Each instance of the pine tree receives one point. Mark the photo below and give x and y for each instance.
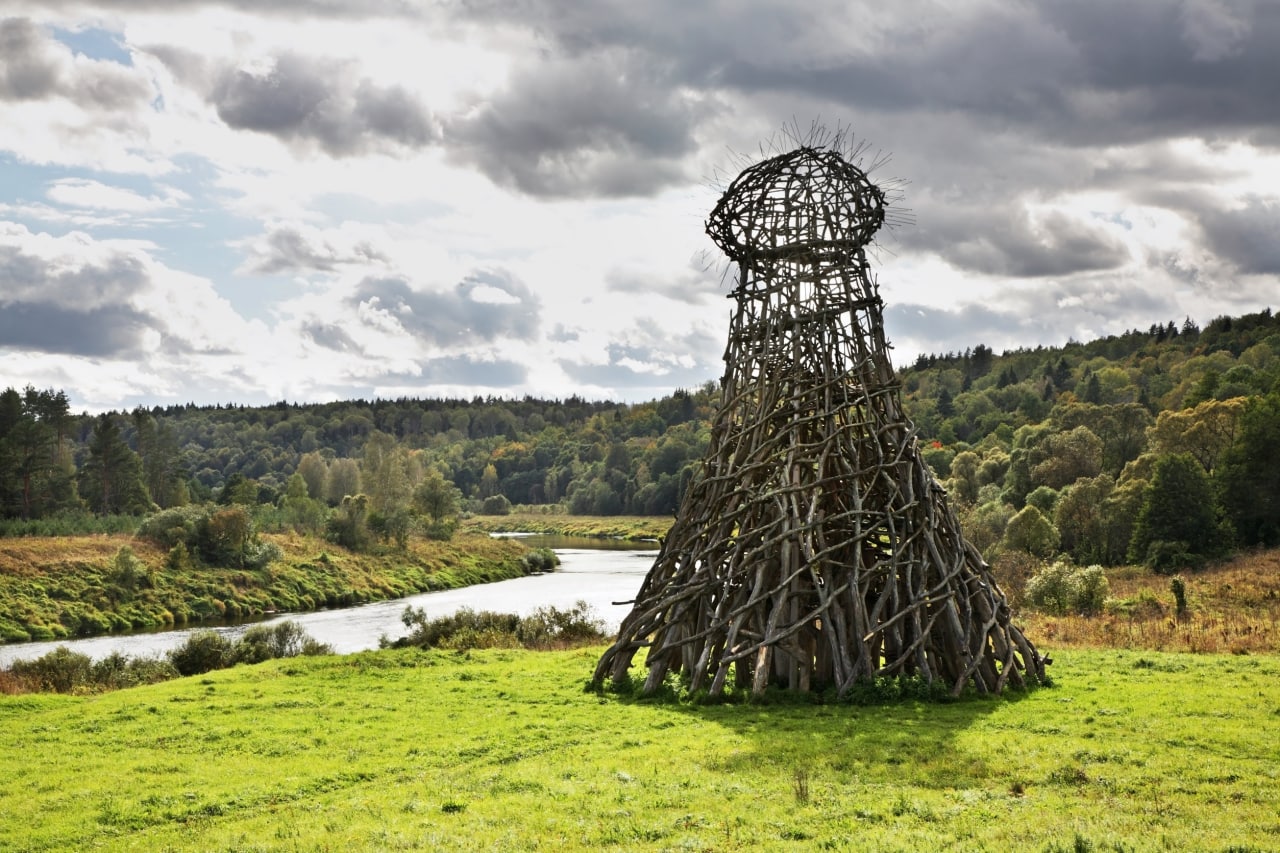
(1177, 524)
(111, 477)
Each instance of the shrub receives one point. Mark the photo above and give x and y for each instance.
(267, 642)
(545, 628)
(60, 671)
(550, 627)
(203, 651)
(178, 525)
(1062, 588)
(538, 561)
(1178, 587)
(117, 671)
(440, 531)
(496, 505)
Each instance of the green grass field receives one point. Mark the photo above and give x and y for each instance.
(505, 750)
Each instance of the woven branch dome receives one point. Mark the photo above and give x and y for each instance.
(807, 202)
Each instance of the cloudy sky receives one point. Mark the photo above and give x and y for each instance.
(204, 201)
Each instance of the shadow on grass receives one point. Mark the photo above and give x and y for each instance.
(897, 731)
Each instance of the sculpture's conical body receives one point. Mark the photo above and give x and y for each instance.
(815, 548)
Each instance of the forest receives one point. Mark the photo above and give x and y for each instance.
(1157, 446)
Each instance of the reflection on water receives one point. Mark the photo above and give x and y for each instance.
(589, 572)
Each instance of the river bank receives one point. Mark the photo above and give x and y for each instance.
(602, 578)
(54, 588)
(632, 528)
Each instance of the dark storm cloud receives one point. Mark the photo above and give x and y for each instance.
(612, 123)
(81, 311)
(28, 71)
(467, 314)
(330, 336)
(467, 370)
(1006, 242)
(1081, 72)
(313, 99)
(30, 278)
(1027, 317)
(111, 331)
(309, 100)
(288, 248)
(34, 67)
(1248, 237)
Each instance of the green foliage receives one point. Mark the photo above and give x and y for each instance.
(219, 536)
(1177, 525)
(437, 499)
(496, 505)
(267, 642)
(539, 561)
(205, 651)
(349, 524)
(111, 476)
(58, 671)
(1061, 588)
(65, 671)
(1248, 479)
(545, 628)
(176, 526)
(1178, 587)
(202, 651)
(1031, 532)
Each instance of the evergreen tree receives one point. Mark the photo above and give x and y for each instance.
(1177, 524)
(946, 407)
(111, 477)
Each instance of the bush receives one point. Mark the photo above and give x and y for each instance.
(59, 671)
(495, 505)
(550, 627)
(1062, 588)
(178, 525)
(117, 671)
(545, 628)
(267, 642)
(203, 651)
(221, 536)
(538, 561)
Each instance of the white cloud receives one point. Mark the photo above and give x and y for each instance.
(85, 193)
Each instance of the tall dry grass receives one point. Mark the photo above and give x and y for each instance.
(1232, 608)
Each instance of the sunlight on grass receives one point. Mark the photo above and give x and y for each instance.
(506, 750)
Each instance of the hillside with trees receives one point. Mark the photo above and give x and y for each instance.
(1156, 446)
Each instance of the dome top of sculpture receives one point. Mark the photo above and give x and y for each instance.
(810, 201)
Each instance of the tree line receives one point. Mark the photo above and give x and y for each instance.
(1093, 450)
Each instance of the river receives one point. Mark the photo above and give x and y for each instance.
(595, 571)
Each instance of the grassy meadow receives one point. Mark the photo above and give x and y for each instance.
(636, 527)
(505, 750)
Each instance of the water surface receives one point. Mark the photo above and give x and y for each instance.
(599, 572)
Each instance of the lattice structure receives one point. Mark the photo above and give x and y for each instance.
(816, 548)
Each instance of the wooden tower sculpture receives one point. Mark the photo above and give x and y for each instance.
(816, 548)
